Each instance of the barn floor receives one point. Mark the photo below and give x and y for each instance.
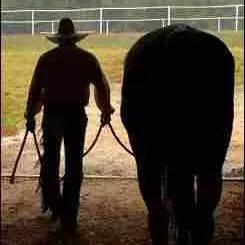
(112, 212)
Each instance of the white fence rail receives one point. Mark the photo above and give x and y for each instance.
(104, 19)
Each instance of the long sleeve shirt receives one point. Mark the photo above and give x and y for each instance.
(63, 75)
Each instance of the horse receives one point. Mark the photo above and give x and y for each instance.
(177, 108)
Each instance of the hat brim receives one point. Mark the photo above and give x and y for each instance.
(76, 37)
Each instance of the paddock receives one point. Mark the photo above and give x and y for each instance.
(112, 211)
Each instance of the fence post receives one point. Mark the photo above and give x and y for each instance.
(218, 24)
(32, 23)
(52, 27)
(101, 21)
(236, 17)
(169, 15)
(107, 28)
(163, 23)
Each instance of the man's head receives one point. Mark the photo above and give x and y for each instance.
(66, 33)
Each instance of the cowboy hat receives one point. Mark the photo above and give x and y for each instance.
(66, 31)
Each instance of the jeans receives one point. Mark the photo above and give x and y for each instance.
(67, 124)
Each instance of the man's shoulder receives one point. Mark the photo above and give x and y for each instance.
(76, 51)
(49, 53)
(85, 53)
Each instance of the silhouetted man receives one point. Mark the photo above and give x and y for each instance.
(177, 107)
(61, 80)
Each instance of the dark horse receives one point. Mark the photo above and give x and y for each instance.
(177, 108)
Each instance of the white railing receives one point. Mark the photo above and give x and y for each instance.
(101, 18)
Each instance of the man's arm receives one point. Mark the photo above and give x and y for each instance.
(34, 104)
(102, 95)
(101, 92)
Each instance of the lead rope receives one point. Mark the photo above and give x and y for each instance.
(40, 157)
(83, 155)
(96, 139)
(90, 147)
(93, 144)
(119, 141)
(166, 199)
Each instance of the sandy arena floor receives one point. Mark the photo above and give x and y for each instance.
(112, 212)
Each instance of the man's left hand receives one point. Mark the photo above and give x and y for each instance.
(31, 124)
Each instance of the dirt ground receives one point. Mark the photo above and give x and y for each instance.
(112, 212)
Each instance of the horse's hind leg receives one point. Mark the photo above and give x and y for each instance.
(150, 181)
(158, 217)
(181, 192)
(209, 188)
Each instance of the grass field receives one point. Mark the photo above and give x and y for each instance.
(22, 51)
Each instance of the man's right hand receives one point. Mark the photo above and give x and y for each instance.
(106, 117)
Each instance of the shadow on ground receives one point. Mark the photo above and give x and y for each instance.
(112, 212)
